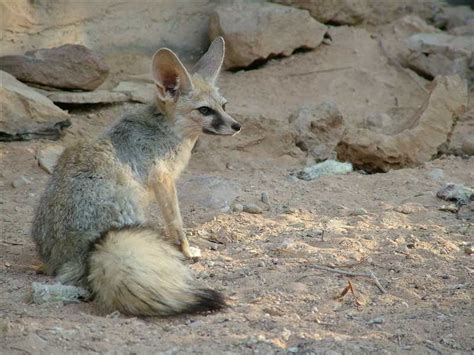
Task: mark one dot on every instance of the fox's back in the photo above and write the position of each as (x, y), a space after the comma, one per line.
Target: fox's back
(90, 192)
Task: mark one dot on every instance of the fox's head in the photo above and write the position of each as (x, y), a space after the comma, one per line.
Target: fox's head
(193, 100)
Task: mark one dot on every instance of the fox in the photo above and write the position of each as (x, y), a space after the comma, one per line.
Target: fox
(90, 228)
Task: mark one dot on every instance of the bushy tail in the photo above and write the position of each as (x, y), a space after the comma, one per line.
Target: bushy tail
(135, 272)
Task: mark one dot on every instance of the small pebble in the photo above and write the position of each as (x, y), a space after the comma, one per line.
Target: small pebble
(469, 249)
(264, 198)
(48, 157)
(20, 181)
(377, 320)
(238, 207)
(358, 212)
(226, 209)
(292, 178)
(409, 208)
(448, 208)
(436, 174)
(252, 208)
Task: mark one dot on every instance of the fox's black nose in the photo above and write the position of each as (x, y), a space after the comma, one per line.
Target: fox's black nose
(236, 126)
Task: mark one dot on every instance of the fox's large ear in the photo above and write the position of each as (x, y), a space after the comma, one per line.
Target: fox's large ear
(211, 62)
(170, 75)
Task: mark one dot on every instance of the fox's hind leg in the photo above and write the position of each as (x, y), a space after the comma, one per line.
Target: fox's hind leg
(165, 192)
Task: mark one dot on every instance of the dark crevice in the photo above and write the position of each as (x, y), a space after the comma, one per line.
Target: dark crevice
(422, 73)
(85, 108)
(261, 62)
(333, 23)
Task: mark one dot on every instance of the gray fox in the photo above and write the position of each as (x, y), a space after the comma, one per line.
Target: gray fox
(89, 227)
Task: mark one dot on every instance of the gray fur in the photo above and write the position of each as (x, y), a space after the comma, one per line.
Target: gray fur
(101, 187)
(85, 197)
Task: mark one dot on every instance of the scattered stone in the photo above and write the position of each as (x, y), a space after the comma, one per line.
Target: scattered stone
(377, 320)
(418, 141)
(469, 249)
(207, 191)
(137, 91)
(26, 114)
(48, 157)
(409, 208)
(457, 193)
(20, 181)
(92, 97)
(292, 178)
(226, 209)
(449, 208)
(252, 208)
(264, 198)
(328, 167)
(238, 207)
(45, 293)
(436, 174)
(318, 129)
(435, 54)
(466, 212)
(462, 138)
(70, 66)
(252, 37)
(314, 233)
(358, 212)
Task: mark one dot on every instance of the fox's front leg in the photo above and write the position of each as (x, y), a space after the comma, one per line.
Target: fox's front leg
(165, 192)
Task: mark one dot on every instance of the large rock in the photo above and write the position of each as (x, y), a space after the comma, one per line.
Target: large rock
(393, 36)
(418, 141)
(125, 32)
(89, 97)
(26, 114)
(435, 54)
(339, 12)
(266, 30)
(352, 12)
(143, 92)
(68, 67)
(451, 17)
(462, 138)
(318, 129)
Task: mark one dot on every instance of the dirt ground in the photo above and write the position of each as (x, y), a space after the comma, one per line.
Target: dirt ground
(271, 266)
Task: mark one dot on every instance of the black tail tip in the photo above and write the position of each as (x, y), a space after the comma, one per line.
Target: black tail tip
(207, 300)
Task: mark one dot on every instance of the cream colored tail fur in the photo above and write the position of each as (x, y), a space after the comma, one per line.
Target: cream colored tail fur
(135, 272)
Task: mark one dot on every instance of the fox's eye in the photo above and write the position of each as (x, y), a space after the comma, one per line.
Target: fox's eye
(206, 111)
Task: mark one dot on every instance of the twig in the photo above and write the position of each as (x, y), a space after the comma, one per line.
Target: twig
(250, 144)
(11, 243)
(319, 71)
(369, 274)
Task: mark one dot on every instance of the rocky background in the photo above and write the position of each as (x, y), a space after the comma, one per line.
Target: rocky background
(355, 159)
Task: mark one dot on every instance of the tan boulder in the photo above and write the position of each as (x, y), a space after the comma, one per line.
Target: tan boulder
(26, 114)
(266, 30)
(418, 141)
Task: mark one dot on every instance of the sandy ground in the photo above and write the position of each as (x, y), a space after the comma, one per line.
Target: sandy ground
(269, 265)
